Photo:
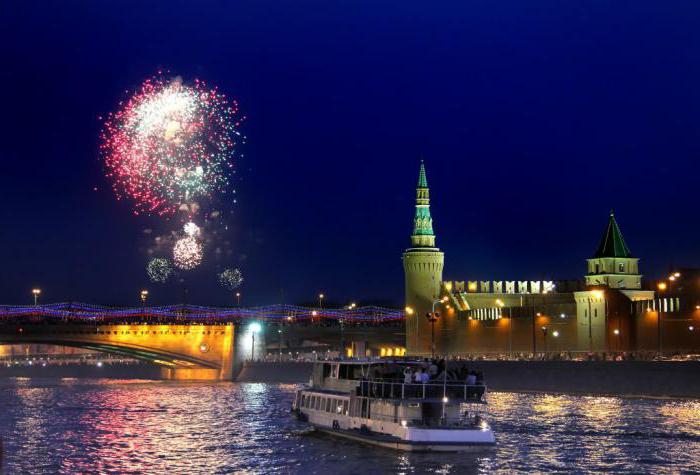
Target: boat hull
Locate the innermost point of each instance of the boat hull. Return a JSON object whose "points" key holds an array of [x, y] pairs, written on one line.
{"points": [[394, 443]]}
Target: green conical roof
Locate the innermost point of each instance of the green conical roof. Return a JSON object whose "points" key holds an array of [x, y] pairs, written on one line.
{"points": [[422, 180], [613, 244]]}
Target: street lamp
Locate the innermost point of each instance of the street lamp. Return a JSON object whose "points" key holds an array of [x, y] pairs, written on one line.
{"points": [[320, 300], [616, 332], [432, 318], [254, 328], [544, 336], [279, 334], [238, 299], [36, 293], [662, 287]]}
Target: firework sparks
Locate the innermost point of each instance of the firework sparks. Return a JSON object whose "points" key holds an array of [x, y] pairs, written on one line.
{"points": [[159, 270], [171, 144], [187, 253], [231, 279]]}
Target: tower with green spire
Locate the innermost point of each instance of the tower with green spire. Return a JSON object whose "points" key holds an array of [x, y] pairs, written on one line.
{"points": [[613, 265], [422, 264]]}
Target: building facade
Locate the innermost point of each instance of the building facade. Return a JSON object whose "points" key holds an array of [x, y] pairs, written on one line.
{"points": [[606, 311]]}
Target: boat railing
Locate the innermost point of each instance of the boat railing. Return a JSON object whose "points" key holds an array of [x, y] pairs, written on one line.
{"points": [[450, 390]]}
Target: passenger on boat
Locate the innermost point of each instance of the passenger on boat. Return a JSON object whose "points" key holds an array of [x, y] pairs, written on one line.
{"points": [[471, 378], [418, 375], [432, 369], [407, 376], [424, 377]]}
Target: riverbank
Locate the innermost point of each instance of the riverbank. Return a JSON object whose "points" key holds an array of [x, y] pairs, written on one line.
{"points": [[676, 379]]}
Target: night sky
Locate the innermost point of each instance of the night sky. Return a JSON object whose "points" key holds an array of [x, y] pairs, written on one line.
{"points": [[534, 120]]}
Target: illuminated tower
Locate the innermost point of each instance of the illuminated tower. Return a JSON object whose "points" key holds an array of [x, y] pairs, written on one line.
{"points": [[613, 265], [422, 265]]}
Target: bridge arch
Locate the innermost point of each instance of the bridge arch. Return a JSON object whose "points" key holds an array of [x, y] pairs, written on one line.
{"points": [[182, 351]]}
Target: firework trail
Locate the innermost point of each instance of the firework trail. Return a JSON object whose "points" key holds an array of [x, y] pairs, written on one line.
{"points": [[171, 145]]}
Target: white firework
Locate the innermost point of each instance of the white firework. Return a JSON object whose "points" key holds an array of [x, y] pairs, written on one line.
{"points": [[231, 279], [187, 253], [159, 270], [191, 229]]}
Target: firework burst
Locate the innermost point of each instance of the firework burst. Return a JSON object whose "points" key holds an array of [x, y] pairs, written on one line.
{"points": [[187, 253], [171, 145], [159, 270], [231, 279]]}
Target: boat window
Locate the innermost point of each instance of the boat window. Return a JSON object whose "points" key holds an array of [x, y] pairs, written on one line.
{"points": [[326, 370], [328, 405], [334, 373], [319, 401], [339, 406], [365, 406], [303, 400], [345, 407]]}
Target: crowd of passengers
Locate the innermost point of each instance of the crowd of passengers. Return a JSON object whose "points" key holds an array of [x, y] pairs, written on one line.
{"points": [[427, 371]]}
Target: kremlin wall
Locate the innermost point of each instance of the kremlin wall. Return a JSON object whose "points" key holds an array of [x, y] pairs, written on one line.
{"points": [[606, 311]]}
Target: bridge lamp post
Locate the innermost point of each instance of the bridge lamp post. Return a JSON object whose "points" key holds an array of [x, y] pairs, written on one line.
{"points": [[254, 328], [144, 297], [320, 300], [36, 293], [238, 299]]}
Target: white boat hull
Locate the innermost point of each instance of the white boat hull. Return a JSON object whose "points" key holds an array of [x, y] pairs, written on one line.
{"points": [[389, 442], [394, 435]]}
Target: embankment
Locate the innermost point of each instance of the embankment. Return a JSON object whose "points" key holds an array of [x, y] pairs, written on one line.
{"points": [[616, 378]]}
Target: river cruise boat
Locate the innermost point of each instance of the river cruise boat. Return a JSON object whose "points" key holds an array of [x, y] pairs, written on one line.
{"points": [[371, 402]]}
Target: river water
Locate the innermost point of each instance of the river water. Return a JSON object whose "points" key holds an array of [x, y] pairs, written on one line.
{"points": [[130, 426]]}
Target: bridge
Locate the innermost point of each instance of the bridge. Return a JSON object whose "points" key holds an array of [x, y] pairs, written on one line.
{"points": [[186, 341]]}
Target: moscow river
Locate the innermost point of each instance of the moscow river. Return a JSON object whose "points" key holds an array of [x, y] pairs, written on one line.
{"points": [[130, 426]]}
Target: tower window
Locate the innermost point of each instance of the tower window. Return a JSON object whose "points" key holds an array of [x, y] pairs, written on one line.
{"points": [[597, 268], [621, 267]]}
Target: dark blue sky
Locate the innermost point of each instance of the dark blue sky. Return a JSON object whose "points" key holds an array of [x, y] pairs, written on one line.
{"points": [[534, 118]]}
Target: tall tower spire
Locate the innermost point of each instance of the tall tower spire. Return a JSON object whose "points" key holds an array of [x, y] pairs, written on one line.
{"points": [[423, 235], [422, 266], [612, 265]]}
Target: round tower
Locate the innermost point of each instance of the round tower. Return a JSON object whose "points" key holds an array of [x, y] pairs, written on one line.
{"points": [[422, 265]]}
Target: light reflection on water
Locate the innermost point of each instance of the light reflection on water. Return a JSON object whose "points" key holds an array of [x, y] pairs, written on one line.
{"points": [[108, 426]]}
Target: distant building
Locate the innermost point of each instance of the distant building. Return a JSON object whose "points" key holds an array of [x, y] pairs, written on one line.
{"points": [[605, 311]]}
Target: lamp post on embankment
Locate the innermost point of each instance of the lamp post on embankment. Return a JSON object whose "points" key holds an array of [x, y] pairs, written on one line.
{"points": [[433, 317], [254, 328]]}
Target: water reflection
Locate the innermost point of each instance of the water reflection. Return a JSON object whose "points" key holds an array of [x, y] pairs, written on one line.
{"points": [[106, 426]]}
